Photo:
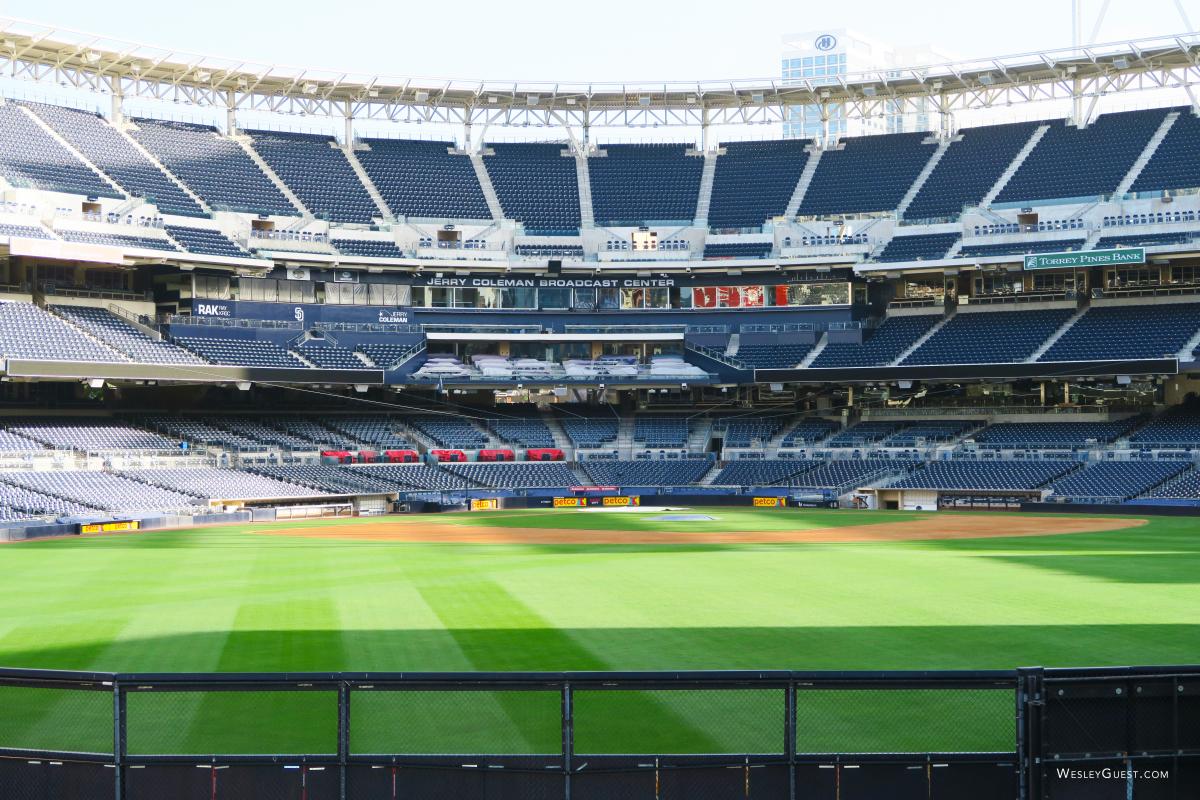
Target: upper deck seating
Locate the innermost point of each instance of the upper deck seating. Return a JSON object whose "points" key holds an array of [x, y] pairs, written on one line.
{"points": [[32, 159], [423, 179], [754, 181], [870, 173], [639, 183], [317, 171], [536, 185], [990, 337]]}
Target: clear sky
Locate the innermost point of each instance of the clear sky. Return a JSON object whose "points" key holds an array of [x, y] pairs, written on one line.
{"points": [[627, 40]]}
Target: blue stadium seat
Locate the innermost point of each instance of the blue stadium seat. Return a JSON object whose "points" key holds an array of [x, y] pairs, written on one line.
{"points": [[639, 183], [536, 185]]}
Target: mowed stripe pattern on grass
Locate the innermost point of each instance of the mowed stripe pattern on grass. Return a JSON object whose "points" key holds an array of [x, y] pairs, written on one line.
{"points": [[229, 600]]}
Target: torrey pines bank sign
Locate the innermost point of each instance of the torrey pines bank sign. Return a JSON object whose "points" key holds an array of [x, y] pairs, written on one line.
{"points": [[1087, 258]]}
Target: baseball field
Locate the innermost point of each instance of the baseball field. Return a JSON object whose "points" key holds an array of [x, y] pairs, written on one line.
{"points": [[581, 590]]}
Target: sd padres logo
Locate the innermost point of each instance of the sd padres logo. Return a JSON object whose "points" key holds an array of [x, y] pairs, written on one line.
{"points": [[825, 42]]}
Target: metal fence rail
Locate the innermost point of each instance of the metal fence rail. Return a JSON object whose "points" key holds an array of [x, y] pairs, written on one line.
{"points": [[564, 736]]}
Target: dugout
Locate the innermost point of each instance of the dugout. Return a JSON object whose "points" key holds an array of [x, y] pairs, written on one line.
{"points": [[947, 499]]}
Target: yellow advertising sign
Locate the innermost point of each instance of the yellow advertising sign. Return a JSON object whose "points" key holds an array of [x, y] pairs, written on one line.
{"points": [[109, 527], [769, 502], [621, 501], [569, 502], [485, 504]]}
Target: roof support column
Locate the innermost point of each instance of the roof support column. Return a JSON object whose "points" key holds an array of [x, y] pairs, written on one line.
{"points": [[118, 100], [825, 140], [467, 148], [231, 127], [348, 121], [705, 130]]}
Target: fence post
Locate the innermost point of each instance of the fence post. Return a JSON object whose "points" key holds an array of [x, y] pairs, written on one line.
{"points": [[568, 737], [789, 735], [343, 744], [119, 745], [1031, 704]]}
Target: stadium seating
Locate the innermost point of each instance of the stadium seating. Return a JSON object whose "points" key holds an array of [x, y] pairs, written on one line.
{"points": [[219, 484], [968, 169], [102, 490], [328, 356], [1072, 162], [648, 472], [15, 443], [205, 241], [1176, 162], [448, 431], [239, 352], [638, 183], [660, 431], [107, 149], [117, 239], [844, 474], [927, 431], [738, 250], [379, 432], [124, 337], [524, 431], [1052, 434], [985, 475], [384, 355], [1146, 239], [1178, 428], [1186, 486], [864, 433], [258, 429], [422, 179], [868, 173], [401, 477], [1117, 480], [536, 185], [518, 475], [32, 159], [1019, 248], [24, 231], [317, 171], [18, 503], [918, 248], [212, 166], [766, 356], [327, 478], [989, 337], [752, 472], [27, 331], [88, 434], [1127, 331], [550, 250], [749, 431], [882, 346], [198, 431], [754, 181], [810, 431], [590, 432], [371, 248]]}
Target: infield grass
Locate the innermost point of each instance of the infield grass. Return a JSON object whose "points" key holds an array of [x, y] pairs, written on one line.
{"points": [[228, 599]]}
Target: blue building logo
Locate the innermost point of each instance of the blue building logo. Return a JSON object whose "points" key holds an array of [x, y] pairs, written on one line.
{"points": [[825, 42]]}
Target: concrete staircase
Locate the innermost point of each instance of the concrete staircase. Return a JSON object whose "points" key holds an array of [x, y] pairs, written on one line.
{"points": [[924, 338], [485, 182], [1185, 352], [247, 146], [806, 176], [735, 341], [816, 351], [1012, 168], [704, 200], [625, 439], [699, 435], [1058, 334], [1147, 153], [587, 217], [923, 176], [561, 440], [368, 184], [53, 134]]}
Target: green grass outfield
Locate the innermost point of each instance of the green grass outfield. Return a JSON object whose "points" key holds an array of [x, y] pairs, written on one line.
{"points": [[226, 599]]}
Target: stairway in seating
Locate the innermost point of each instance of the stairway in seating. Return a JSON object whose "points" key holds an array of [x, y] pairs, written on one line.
{"points": [[735, 341], [1147, 153], [704, 201], [625, 439], [699, 436], [806, 176], [923, 175], [366, 181], [815, 351], [247, 145], [53, 134], [485, 182], [1058, 334], [1185, 352], [587, 217], [929, 334], [559, 434], [1006, 176]]}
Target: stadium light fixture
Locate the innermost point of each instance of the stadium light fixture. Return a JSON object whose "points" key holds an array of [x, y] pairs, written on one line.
{"points": [[644, 100], [1121, 62], [421, 96], [869, 91], [243, 386]]}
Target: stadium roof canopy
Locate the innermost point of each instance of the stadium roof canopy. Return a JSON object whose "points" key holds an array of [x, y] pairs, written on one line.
{"points": [[125, 69]]}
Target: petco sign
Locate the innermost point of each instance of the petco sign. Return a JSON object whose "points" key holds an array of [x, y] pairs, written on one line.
{"points": [[1088, 258]]}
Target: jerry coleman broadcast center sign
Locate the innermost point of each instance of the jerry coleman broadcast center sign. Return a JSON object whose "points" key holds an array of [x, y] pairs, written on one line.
{"points": [[1089, 258]]}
